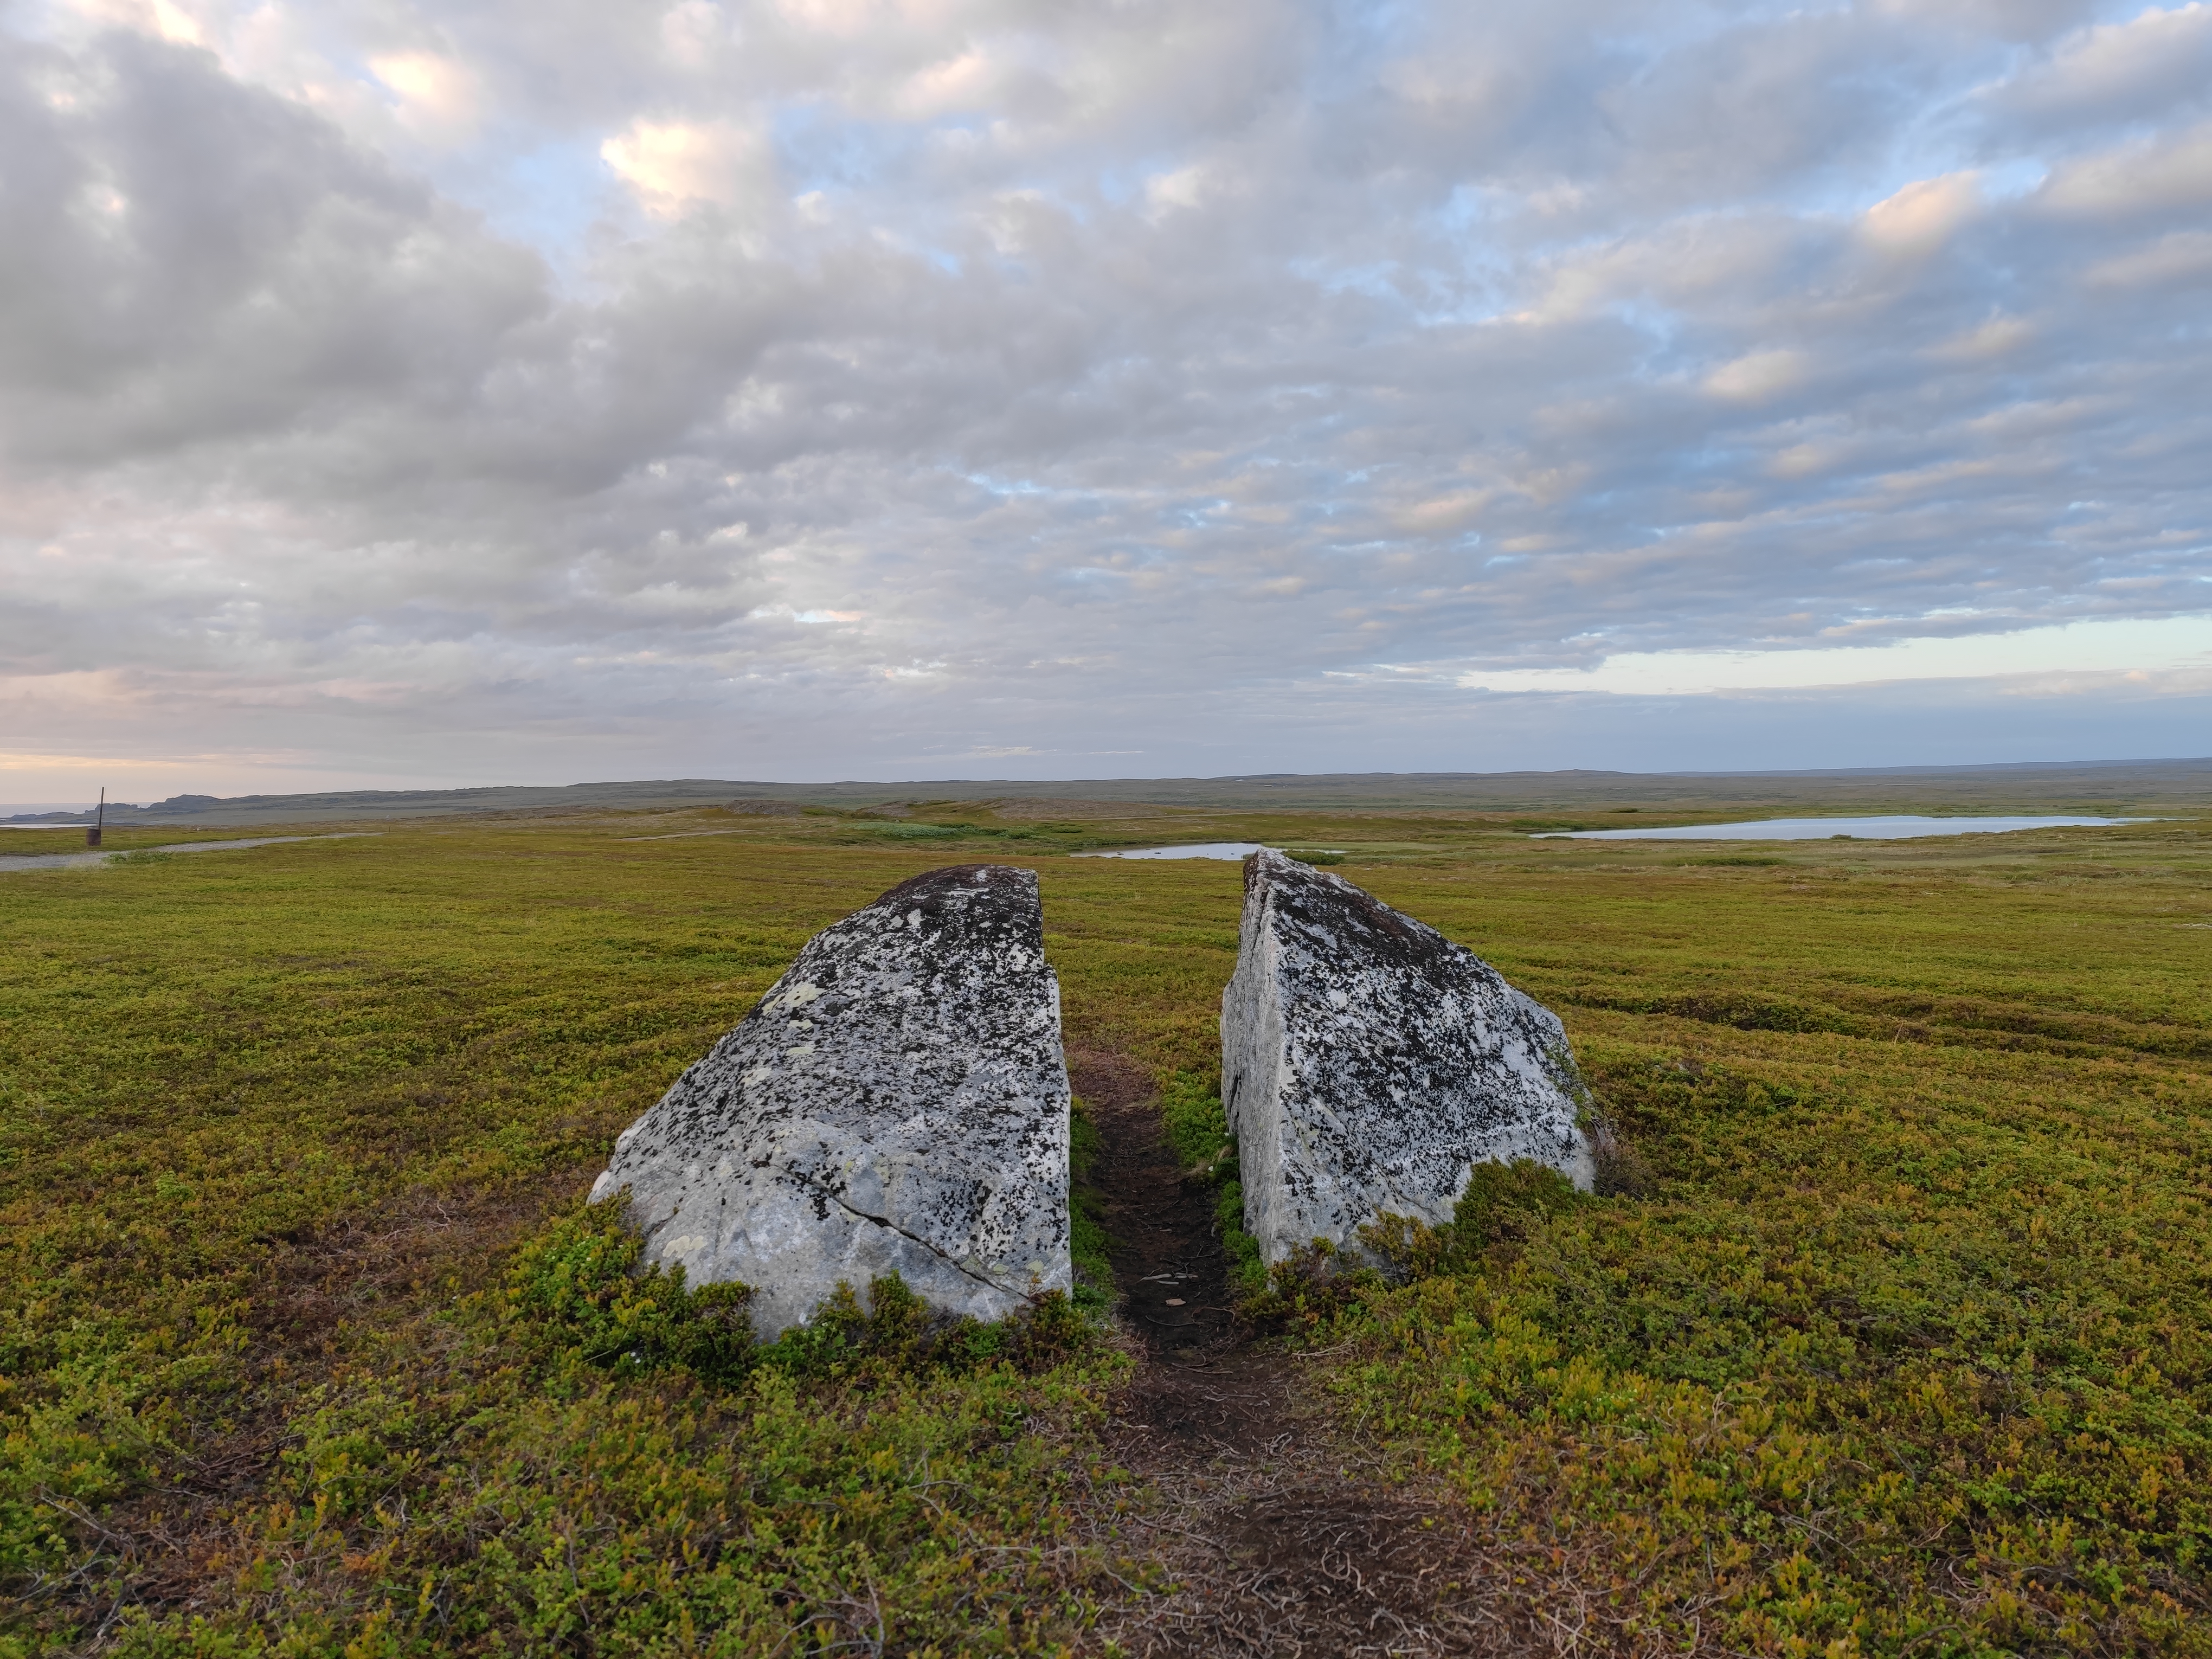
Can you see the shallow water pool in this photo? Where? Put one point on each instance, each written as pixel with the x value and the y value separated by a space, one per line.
pixel 1897 826
pixel 1198 849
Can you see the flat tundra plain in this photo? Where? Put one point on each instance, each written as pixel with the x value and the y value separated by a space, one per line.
pixel 1895 1339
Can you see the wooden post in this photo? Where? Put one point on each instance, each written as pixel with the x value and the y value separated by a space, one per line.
pixel 100 818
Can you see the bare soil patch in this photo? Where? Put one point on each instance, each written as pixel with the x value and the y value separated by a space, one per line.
pixel 1263 1530
pixel 1168 1264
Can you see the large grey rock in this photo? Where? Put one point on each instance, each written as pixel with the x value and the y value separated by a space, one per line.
pixel 897 1101
pixel 1369 1063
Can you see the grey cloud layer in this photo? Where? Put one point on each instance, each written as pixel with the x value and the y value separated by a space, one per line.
pixel 1044 377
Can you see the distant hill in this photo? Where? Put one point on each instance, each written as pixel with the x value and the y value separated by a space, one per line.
pixel 2105 786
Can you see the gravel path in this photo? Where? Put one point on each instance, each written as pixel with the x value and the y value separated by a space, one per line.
pixel 74 861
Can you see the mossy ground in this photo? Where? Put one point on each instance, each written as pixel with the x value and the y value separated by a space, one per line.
pixel 1903 1351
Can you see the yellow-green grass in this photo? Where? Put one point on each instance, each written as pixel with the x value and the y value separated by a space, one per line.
pixel 18 843
pixel 1905 1350
pixel 1910 1349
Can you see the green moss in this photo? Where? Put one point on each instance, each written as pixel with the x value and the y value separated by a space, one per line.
pixel 1197 1130
pixel 1090 1245
pixel 1246 1271
pixel 1191 1113
pixel 1083 1141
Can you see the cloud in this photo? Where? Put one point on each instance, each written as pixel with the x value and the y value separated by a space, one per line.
pixel 2152 175
pixel 438 99
pixel 1997 337
pixel 859 383
pixel 1757 376
pixel 2170 261
pixel 673 164
pixel 1921 218
pixel 2136 69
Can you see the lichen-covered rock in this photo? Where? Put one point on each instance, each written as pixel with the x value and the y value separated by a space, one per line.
pixel 1369 1063
pixel 898 1100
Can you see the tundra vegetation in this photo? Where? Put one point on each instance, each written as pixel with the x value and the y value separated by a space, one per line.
pixel 1890 1335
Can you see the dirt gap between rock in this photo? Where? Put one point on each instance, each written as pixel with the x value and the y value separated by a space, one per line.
pixel 1264 1530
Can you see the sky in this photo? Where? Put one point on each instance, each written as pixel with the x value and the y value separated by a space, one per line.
pixel 491 391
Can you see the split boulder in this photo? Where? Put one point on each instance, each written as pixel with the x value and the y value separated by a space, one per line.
pixel 897 1102
pixel 1369 1063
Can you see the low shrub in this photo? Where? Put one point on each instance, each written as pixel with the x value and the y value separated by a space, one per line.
pixel 579 1289
pixel 899 1333
pixel 1503 1207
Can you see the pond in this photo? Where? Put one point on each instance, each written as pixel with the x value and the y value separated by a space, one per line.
pixel 1897 826
pixel 1198 849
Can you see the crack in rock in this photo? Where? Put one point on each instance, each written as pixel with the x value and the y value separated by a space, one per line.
pixel 886 1221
